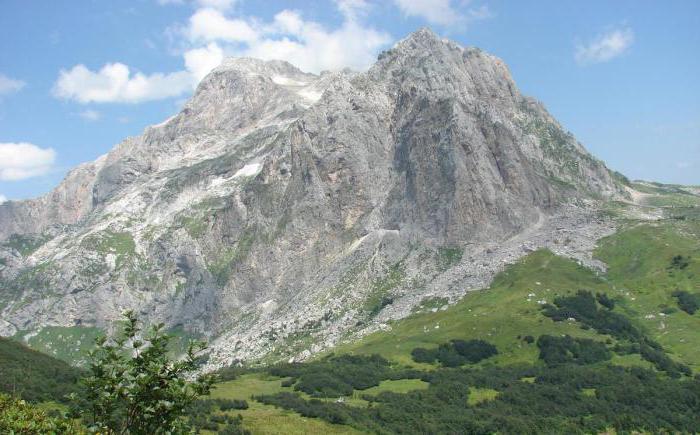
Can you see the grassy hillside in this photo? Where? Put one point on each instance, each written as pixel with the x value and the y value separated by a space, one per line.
pixel 648 264
pixel 503 314
pixel 32 375
pixel 641 279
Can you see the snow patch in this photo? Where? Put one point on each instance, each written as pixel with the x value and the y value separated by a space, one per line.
pixel 357 242
pixel 248 170
pixel 312 95
pixel 217 181
pixel 286 81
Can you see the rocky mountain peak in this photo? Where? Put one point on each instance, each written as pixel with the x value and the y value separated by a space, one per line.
pixel 281 204
pixel 252 66
pixel 425 62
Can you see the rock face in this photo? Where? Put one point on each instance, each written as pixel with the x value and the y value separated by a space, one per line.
pixel 280 212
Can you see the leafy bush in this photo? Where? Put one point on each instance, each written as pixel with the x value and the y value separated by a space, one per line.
pixel 235 427
pixel 679 262
pixel 687 302
pixel 19 417
pixel 335 376
pixel 605 301
pixel 229 404
pixel 422 355
pixel 562 350
pixel 582 307
pixel 133 387
pixel 661 361
pixel 456 353
pixel 228 373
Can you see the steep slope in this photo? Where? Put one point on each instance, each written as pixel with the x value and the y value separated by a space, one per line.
pixel 34 376
pixel 281 211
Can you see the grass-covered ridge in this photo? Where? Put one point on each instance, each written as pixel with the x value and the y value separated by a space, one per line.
pixel 502 315
pixel 641 279
pixel 32 375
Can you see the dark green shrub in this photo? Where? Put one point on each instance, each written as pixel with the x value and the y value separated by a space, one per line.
pixel 562 350
pixel 456 353
pixel 229 404
pixel 679 262
pixel 605 301
pixel 422 355
pixel 687 302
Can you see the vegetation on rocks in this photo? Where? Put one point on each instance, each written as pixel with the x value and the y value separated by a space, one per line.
pixel 25 244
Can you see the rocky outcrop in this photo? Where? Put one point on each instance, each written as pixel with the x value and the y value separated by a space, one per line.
pixel 280 212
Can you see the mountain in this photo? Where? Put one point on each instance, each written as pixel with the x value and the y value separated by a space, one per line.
pixel 280 212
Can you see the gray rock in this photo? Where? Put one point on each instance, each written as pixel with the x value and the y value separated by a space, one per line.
pixel 280 212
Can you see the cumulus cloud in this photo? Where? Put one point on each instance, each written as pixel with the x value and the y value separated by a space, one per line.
pixel 3 199
pixel 199 61
pixel 8 85
pixel 441 12
pixel 211 33
pixel 217 4
pixel 306 44
pixel 211 25
pixel 19 161
pixel 90 115
pixel 605 47
pixel 114 82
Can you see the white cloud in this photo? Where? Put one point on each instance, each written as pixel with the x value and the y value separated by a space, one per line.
pixel 8 85
pixel 24 160
pixel 353 8
pixel 3 199
pixel 606 47
pixel 441 12
pixel 217 4
pixel 200 61
pixel 90 115
pixel 115 83
pixel 211 34
pixel 306 44
pixel 210 25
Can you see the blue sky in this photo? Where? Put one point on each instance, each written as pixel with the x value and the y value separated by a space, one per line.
pixel 77 77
